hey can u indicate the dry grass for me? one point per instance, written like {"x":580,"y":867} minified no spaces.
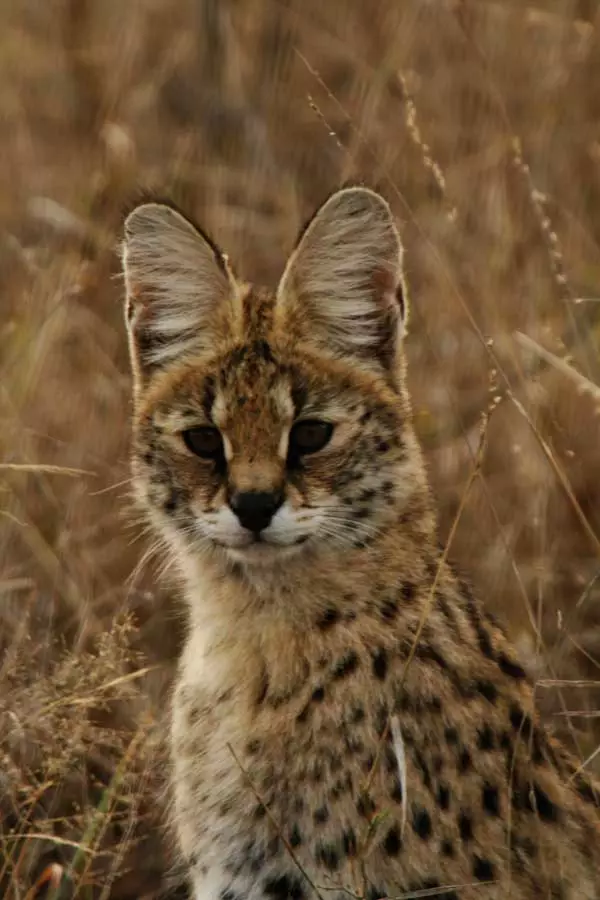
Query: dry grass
{"x":480,"y":122}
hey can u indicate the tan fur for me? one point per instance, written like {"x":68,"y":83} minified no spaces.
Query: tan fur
{"x":346,"y":715}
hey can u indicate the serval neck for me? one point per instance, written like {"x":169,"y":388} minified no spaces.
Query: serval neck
{"x":318,"y":586}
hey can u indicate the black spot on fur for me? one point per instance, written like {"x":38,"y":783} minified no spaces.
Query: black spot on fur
{"x":451,"y":735}
{"x":490,"y":799}
{"x":483,"y":870}
{"x":208,"y":396}
{"x":443,"y":796}
{"x":396,"y":791}
{"x":234,"y":360}
{"x":346,"y":665}
{"x":375,"y":893}
{"x":537,"y":748}
{"x":391,"y":760}
{"x":392,"y":843}
{"x":429,"y":652}
{"x":511,"y":668}
{"x":485,"y":642}
{"x":303,"y":714}
{"x":381,"y":719}
{"x":172,"y":502}
{"x":329,"y":618}
{"x":357,"y":714}
{"x":540,"y":802}
{"x":327,"y":855}
{"x":252,"y":747}
{"x":422,"y":766}
{"x":485,"y":738}
{"x":317,"y":772}
{"x":367,"y":495}
{"x":483,"y":638}
{"x":225,"y":696}
{"x":408,"y":591}
{"x":533,"y":798}
{"x":487,"y":690}
{"x":464,"y":761}
{"x":349,"y":843}
{"x":404,"y":702}
{"x":465,"y":826}
{"x":586,"y":790}
{"x":447,"y":848}
{"x":421,"y":823}
{"x":321,"y":815}
{"x":446,"y":610}
{"x":335,"y":763}
{"x":365,"y":806}
{"x":380,"y":663}
{"x":284,"y":887}
{"x":389,"y":609}
{"x":318,"y":695}
{"x":295,"y":838}
{"x":263,"y":688}
{"x":262,"y":350}
{"x":521,"y":722}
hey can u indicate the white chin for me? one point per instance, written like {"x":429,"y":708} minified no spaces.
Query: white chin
{"x":263,"y":552}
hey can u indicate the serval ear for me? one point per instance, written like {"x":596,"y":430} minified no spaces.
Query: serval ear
{"x":343,"y":288}
{"x":179,"y":289}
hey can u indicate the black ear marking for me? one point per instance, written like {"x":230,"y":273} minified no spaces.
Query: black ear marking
{"x":401,"y":300}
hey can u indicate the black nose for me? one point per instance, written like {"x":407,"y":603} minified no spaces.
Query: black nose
{"x":255,"y":509}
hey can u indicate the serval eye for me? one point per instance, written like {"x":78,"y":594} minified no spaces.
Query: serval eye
{"x":309,"y":435}
{"x":204,"y":441}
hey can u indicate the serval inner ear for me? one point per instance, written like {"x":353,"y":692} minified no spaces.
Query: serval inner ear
{"x":179,"y":289}
{"x":343,"y":286}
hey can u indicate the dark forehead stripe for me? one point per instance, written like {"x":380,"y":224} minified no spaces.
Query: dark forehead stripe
{"x":208,"y":396}
{"x":252,"y":359}
{"x":299,"y":388}
{"x":258,"y":307}
{"x":247,"y":361}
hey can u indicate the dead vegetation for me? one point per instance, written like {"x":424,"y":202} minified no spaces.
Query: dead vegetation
{"x":480,"y":123}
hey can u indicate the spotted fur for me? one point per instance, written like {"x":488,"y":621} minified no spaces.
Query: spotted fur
{"x":347,"y":716}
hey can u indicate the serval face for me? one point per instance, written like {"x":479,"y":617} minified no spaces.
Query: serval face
{"x":270,"y":424}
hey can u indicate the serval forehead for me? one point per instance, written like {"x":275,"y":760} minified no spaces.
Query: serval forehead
{"x":256,"y":312}
{"x":252,"y":374}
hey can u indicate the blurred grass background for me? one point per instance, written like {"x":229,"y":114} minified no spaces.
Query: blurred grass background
{"x":480,"y":121}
